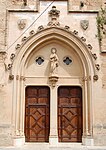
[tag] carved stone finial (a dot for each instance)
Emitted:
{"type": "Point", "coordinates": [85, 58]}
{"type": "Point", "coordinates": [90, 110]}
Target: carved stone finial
{"type": "Point", "coordinates": [54, 15]}
{"type": "Point", "coordinates": [54, 11]}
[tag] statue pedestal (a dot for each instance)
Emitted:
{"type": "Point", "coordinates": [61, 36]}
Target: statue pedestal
{"type": "Point", "coordinates": [53, 79]}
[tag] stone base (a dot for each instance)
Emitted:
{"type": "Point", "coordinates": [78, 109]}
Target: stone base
{"type": "Point", "coordinates": [19, 141]}
{"type": "Point", "coordinates": [87, 141]}
{"type": "Point", "coordinates": [53, 140]}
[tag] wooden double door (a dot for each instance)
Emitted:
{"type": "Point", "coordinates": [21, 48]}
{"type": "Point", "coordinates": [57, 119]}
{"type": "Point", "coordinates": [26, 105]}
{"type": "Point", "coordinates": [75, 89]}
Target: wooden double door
{"type": "Point", "coordinates": [37, 114]}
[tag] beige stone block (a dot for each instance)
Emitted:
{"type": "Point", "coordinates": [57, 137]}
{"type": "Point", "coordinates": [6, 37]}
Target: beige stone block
{"type": "Point", "coordinates": [104, 80]}
{"type": "Point", "coordinates": [5, 135]}
{"type": "Point", "coordinates": [99, 140]}
{"type": "Point", "coordinates": [103, 67]}
{"type": "Point", "coordinates": [103, 45]}
{"type": "Point", "coordinates": [87, 5]}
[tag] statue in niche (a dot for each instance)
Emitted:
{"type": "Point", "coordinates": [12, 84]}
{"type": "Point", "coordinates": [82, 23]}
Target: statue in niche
{"type": "Point", "coordinates": [54, 62]}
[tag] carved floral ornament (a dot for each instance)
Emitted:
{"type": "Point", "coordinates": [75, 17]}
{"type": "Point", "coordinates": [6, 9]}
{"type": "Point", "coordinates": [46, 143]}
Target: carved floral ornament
{"type": "Point", "coordinates": [54, 23]}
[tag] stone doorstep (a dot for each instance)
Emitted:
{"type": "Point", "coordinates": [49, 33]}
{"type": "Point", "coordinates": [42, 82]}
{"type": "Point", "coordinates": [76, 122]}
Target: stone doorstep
{"type": "Point", "coordinates": [45, 146]}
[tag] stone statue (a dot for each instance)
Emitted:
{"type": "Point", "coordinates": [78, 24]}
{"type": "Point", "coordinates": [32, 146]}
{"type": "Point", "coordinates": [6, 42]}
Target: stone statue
{"type": "Point", "coordinates": [54, 62]}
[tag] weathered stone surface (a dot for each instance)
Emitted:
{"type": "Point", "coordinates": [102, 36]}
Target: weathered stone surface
{"type": "Point", "coordinates": [87, 5]}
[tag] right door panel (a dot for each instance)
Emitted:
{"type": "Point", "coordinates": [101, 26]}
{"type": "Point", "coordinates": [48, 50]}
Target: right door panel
{"type": "Point", "coordinates": [69, 114]}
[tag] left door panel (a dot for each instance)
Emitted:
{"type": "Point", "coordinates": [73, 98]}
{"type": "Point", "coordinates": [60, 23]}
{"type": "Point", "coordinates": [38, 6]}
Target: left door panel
{"type": "Point", "coordinates": [37, 114]}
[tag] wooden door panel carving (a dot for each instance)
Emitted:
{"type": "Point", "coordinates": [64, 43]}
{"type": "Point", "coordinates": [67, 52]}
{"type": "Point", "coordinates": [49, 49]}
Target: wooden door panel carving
{"type": "Point", "coordinates": [37, 114]}
{"type": "Point", "coordinates": [70, 114]}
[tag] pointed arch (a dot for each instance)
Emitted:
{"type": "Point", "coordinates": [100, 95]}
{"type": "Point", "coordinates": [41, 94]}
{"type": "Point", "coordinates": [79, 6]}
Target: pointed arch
{"type": "Point", "coordinates": [58, 34]}
{"type": "Point", "coordinates": [39, 40]}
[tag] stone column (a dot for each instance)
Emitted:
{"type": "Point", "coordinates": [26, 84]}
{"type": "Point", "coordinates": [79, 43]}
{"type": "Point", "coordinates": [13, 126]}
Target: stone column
{"type": "Point", "coordinates": [87, 135]}
{"type": "Point", "coordinates": [22, 108]}
{"type": "Point", "coordinates": [53, 138]}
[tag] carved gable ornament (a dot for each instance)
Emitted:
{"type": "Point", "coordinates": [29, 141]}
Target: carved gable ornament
{"type": "Point", "coordinates": [84, 24]}
{"type": "Point", "coordinates": [21, 23]}
{"type": "Point", "coordinates": [54, 15]}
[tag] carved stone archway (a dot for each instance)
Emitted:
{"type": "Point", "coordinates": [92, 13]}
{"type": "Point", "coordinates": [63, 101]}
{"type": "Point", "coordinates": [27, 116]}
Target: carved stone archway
{"type": "Point", "coordinates": [39, 39]}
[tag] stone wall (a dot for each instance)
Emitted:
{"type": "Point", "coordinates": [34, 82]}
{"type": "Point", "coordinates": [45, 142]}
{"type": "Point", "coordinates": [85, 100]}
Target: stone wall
{"type": "Point", "coordinates": [17, 4]}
